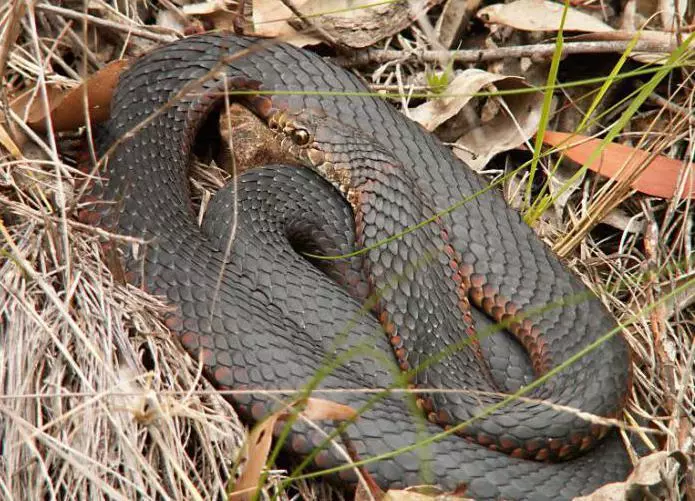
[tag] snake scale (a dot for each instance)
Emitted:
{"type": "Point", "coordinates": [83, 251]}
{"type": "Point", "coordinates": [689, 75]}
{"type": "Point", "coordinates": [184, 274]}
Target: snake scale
{"type": "Point", "coordinates": [259, 315]}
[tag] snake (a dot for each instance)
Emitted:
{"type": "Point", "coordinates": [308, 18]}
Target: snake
{"type": "Point", "coordinates": [469, 305]}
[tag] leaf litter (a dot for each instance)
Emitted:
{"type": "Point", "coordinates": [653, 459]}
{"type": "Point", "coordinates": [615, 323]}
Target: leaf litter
{"type": "Point", "coordinates": [91, 379]}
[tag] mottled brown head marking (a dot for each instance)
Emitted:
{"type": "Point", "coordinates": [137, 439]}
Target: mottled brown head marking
{"type": "Point", "coordinates": [297, 131]}
{"type": "Point", "coordinates": [293, 125]}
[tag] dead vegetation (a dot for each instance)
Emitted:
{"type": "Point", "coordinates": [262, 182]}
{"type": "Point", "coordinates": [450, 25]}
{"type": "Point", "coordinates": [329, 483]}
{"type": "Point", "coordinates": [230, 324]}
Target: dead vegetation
{"type": "Point", "coordinates": [98, 401]}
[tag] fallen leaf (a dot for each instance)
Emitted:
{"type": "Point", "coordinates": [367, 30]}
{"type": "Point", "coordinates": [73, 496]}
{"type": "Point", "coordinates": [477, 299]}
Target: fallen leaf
{"type": "Point", "coordinates": [66, 107]}
{"type": "Point", "coordinates": [660, 178]}
{"type": "Point", "coordinates": [351, 23]}
{"type": "Point", "coordinates": [253, 456]}
{"type": "Point", "coordinates": [540, 15]}
{"type": "Point", "coordinates": [478, 139]}
{"type": "Point", "coordinates": [254, 453]}
{"type": "Point", "coordinates": [544, 15]}
{"type": "Point", "coordinates": [651, 476]}
{"type": "Point", "coordinates": [29, 105]}
{"type": "Point", "coordinates": [318, 409]}
{"type": "Point", "coordinates": [270, 19]}
{"type": "Point", "coordinates": [673, 13]}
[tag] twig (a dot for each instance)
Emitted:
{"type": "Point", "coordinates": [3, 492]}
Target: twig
{"type": "Point", "coordinates": [311, 24]}
{"type": "Point", "coordinates": [131, 29]}
{"type": "Point", "coordinates": [371, 56]}
{"type": "Point", "coordinates": [671, 106]}
{"type": "Point", "coordinates": [77, 42]}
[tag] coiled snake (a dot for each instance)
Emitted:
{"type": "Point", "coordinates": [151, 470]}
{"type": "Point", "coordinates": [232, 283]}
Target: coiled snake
{"type": "Point", "coordinates": [265, 317]}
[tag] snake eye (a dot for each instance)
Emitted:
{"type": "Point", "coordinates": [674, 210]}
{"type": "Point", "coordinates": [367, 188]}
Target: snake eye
{"type": "Point", "coordinates": [300, 137]}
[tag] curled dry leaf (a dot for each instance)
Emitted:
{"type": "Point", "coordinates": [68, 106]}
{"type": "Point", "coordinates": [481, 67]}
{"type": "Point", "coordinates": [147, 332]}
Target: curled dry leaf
{"type": "Point", "coordinates": [352, 23]}
{"type": "Point", "coordinates": [543, 15]}
{"type": "Point", "coordinates": [480, 136]}
{"type": "Point", "coordinates": [254, 454]}
{"type": "Point", "coordinates": [319, 409]}
{"type": "Point", "coordinates": [652, 478]}
{"type": "Point", "coordinates": [663, 176]}
{"type": "Point", "coordinates": [67, 107]}
{"type": "Point", "coordinates": [540, 15]}
{"type": "Point", "coordinates": [271, 19]}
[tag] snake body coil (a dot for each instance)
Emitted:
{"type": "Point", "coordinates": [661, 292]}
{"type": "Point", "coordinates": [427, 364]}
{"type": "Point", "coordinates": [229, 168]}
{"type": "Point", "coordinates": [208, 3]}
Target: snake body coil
{"type": "Point", "coordinates": [262, 317]}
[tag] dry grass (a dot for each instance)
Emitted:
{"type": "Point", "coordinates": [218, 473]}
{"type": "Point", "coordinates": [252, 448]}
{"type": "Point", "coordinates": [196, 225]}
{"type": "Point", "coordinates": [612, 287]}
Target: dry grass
{"type": "Point", "coordinates": [98, 400]}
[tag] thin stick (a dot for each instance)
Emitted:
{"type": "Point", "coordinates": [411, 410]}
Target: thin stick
{"type": "Point", "coordinates": [126, 28]}
{"type": "Point", "coordinates": [310, 24]}
{"type": "Point", "coordinates": [371, 56]}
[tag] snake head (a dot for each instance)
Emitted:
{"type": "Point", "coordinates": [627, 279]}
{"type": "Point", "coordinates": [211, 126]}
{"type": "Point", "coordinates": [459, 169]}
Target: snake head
{"type": "Point", "coordinates": [337, 151]}
{"type": "Point", "coordinates": [310, 137]}
{"type": "Point", "coordinates": [297, 131]}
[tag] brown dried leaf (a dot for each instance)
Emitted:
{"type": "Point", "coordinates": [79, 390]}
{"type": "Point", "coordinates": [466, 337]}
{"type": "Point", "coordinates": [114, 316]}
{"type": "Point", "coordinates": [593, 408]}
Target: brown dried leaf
{"type": "Point", "coordinates": [660, 178]}
{"type": "Point", "coordinates": [347, 21]}
{"type": "Point", "coordinates": [540, 15]}
{"type": "Point", "coordinates": [254, 453]}
{"type": "Point", "coordinates": [66, 107]}
{"type": "Point", "coordinates": [29, 105]}
{"type": "Point", "coordinates": [543, 15]}
{"type": "Point", "coordinates": [479, 137]}
{"type": "Point", "coordinates": [270, 19]}
{"type": "Point", "coordinates": [319, 409]}
{"type": "Point", "coordinates": [359, 27]}
{"type": "Point", "coordinates": [651, 476]}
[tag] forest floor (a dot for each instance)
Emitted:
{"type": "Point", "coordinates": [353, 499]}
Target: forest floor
{"type": "Point", "coordinates": [98, 400]}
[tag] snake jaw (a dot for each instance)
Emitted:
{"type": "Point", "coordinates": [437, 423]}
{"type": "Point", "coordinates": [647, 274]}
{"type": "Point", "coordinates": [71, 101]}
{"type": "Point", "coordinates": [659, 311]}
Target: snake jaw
{"type": "Point", "coordinates": [338, 176]}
